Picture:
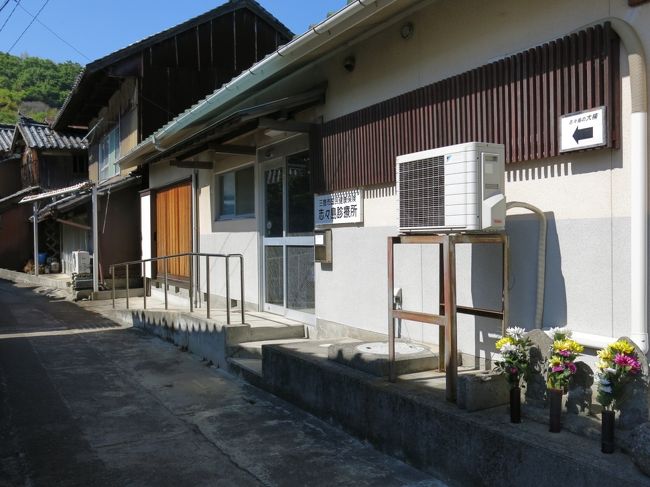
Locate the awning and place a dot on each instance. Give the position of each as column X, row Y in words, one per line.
column 14, row 199
column 57, row 192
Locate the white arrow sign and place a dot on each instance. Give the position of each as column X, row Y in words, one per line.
column 583, row 130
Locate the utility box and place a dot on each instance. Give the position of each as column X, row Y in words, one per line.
column 81, row 262
column 323, row 246
column 459, row 188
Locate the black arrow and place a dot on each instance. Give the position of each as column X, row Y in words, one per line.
column 582, row 134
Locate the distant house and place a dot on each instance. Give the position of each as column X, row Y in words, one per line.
column 40, row 160
column 122, row 98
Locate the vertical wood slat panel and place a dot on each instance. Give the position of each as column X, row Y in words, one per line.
column 516, row 101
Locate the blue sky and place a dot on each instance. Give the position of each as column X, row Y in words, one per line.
column 95, row 28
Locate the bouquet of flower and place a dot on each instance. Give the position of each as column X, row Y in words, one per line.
column 563, row 353
column 618, row 364
column 515, row 355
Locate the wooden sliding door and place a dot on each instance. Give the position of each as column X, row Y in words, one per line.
column 174, row 228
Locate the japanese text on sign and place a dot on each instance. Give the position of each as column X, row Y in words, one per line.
column 338, row 208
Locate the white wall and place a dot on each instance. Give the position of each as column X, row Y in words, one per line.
column 586, row 196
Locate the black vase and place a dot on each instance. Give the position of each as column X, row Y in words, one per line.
column 607, row 431
column 515, row 405
column 555, row 402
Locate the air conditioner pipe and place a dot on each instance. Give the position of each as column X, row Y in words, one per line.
column 541, row 258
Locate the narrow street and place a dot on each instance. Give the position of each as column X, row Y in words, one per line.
column 85, row 402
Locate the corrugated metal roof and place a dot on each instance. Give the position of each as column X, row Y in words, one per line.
column 41, row 136
column 6, row 134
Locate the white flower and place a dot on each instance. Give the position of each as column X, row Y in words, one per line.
column 516, row 332
column 508, row 348
column 609, row 370
column 604, row 381
column 605, row 389
column 560, row 330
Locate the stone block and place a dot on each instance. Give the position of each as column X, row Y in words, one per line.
column 482, row 391
column 636, row 399
column 580, row 395
column 535, row 381
column 641, row 447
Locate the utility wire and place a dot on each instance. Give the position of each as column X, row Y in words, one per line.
column 53, row 33
column 4, row 5
column 10, row 15
column 28, row 26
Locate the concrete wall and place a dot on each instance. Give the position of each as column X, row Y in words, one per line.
column 586, row 196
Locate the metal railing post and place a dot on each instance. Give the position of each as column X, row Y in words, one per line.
column 207, row 285
column 241, row 283
column 166, row 286
column 227, row 291
column 144, row 284
column 127, row 285
column 113, row 280
column 191, row 283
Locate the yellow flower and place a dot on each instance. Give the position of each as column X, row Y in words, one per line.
column 555, row 361
column 503, row 341
column 601, row 365
column 621, row 346
column 605, row 354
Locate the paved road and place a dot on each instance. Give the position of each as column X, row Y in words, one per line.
column 119, row 407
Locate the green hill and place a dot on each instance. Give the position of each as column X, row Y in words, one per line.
column 37, row 87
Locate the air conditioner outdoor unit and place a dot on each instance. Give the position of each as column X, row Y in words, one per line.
column 459, row 188
column 81, row 262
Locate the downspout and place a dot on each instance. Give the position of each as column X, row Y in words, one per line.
column 639, row 183
column 95, row 215
column 35, row 208
column 196, row 261
column 541, row 258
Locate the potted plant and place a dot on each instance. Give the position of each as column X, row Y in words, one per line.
column 560, row 368
column 515, row 359
column 618, row 364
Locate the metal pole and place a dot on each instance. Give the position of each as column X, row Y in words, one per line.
column 441, row 306
column 506, row 284
column 127, row 285
column 241, row 283
column 95, row 241
column 227, row 291
column 207, row 285
column 35, row 208
column 165, row 268
column 113, row 281
column 191, row 259
column 392, row 376
column 144, row 284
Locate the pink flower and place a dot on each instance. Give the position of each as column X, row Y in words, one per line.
column 627, row 361
column 557, row 368
column 514, row 370
column 564, row 353
column 572, row 367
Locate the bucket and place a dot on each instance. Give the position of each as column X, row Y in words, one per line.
column 42, row 258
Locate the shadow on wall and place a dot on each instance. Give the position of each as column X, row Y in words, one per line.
column 487, row 275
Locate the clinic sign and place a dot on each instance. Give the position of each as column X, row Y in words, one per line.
column 583, row 130
column 338, row 208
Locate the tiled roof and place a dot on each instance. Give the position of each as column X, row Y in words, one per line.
column 6, row 134
column 41, row 136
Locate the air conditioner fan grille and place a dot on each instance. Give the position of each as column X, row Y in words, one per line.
column 422, row 193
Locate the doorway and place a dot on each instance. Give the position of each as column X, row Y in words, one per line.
column 288, row 237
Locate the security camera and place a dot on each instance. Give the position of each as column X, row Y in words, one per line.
column 349, row 63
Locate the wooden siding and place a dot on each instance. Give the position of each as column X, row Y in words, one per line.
column 183, row 69
column 516, row 101
column 174, row 228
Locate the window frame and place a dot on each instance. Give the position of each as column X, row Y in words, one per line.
column 104, row 155
column 219, row 194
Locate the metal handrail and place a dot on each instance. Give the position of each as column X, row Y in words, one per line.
column 190, row 255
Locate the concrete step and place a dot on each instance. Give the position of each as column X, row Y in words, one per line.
column 253, row 350
column 269, row 331
column 249, row 369
column 119, row 293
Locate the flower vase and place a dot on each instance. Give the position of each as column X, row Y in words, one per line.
column 515, row 405
column 607, row 432
column 555, row 402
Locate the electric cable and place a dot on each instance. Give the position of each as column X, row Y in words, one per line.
column 28, row 26
column 10, row 15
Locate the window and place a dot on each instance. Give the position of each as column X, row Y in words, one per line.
column 109, row 153
column 236, row 198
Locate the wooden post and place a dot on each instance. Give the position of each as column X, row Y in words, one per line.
column 441, row 307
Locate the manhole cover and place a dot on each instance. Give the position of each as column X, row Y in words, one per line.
column 401, row 348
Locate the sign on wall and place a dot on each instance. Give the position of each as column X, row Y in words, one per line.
column 338, row 208
column 583, row 130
